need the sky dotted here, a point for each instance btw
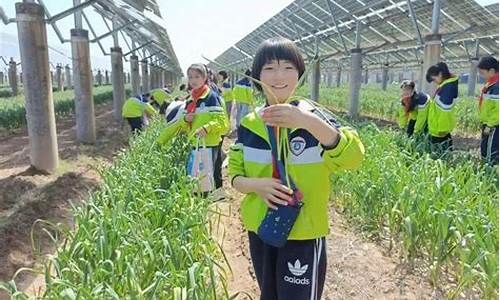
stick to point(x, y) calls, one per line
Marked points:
point(195, 28)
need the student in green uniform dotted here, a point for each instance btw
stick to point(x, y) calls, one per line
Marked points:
point(201, 116)
point(488, 109)
point(441, 118)
point(134, 110)
point(160, 99)
point(414, 109)
point(285, 175)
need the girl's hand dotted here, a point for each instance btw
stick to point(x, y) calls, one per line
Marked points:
point(189, 117)
point(271, 191)
point(201, 132)
point(285, 115)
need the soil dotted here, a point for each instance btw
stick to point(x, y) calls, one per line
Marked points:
point(357, 267)
point(27, 195)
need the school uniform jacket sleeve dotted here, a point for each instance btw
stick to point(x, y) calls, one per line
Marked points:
point(236, 165)
point(175, 124)
point(218, 123)
point(422, 113)
point(347, 154)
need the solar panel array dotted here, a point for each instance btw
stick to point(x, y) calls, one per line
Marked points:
point(387, 30)
point(145, 29)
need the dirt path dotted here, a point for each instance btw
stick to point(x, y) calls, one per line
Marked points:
point(26, 196)
point(357, 267)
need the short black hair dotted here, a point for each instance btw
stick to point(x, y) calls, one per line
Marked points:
point(182, 87)
point(435, 70)
point(223, 74)
point(278, 48)
point(488, 63)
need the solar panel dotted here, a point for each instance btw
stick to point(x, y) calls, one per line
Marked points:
point(387, 29)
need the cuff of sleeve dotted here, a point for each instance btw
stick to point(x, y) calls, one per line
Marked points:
point(337, 148)
point(334, 144)
point(233, 177)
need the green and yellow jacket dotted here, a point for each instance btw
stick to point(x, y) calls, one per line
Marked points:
point(309, 164)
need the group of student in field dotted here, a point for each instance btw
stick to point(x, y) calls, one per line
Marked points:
point(435, 116)
point(287, 149)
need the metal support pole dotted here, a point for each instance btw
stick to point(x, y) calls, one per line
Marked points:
point(99, 77)
point(151, 77)
point(355, 81)
point(59, 78)
point(385, 73)
point(436, 13)
point(316, 78)
point(32, 35)
point(471, 83)
point(84, 102)
point(432, 55)
point(118, 82)
point(13, 77)
point(145, 76)
point(106, 77)
point(329, 79)
point(339, 76)
point(68, 78)
point(134, 70)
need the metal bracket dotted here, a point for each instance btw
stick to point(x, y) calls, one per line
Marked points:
point(415, 22)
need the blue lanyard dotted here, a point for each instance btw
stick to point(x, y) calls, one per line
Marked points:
point(279, 162)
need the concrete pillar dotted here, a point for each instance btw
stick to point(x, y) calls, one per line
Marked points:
point(1, 78)
point(40, 118)
point(151, 77)
point(99, 77)
point(162, 77)
point(432, 55)
point(134, 70)
point(128, 78)
point(118, 83)
point(21, 77)
point(68, 79)
point(385, 73)
point(106, 77)
point(366, 76)
point(315, 81)
point(145, 76)
point(471, 83)
point(329, 79)
point(339, 76)
point(13, 77)
point(84, 102)
point(355, 81)
point(59, 79)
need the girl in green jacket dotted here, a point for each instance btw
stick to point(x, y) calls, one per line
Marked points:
point(282, 161)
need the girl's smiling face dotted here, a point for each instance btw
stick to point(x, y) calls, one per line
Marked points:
point(196, 79)
point(281, 76)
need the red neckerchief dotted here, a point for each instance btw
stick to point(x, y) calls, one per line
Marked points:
point(197, 93)
point(489, 83)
